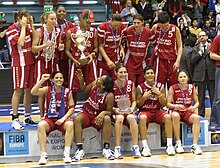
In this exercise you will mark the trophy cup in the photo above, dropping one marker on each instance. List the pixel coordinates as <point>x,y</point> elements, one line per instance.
<point>124,104</point>
<point>80,39</point>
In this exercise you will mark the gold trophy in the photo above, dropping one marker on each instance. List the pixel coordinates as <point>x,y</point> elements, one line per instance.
<point>80,38</point>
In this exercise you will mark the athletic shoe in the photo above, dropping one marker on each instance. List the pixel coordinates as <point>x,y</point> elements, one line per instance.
<point>43,159</point>
<point>118,154</point>
<point>78,155</point>
<point>170,150</point>
<point>108,154</point>
<point>67,159</point>
<point>196,149</point>
<point>16,125</point>
<point>178,148</point>
<point>136,152</point>
<point>29,121</point>
<point>146,151</point>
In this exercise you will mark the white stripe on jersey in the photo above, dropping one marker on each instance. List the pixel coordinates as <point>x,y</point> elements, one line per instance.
<point>22,77</point>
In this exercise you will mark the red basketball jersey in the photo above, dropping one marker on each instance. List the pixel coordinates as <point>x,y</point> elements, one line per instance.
<point>137,45</point>
<point>95,104</point>
<point>21,55</point>
<point>151,104</point>
<point>67,94</point>
<point>166,44</point>
<point>125,90</point>
<point>111,40</point>
<point>184,97</point>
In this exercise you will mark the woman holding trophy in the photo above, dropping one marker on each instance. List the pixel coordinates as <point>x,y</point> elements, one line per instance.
<point>46,44</point>
<point>81,48</point>
<point>125,103</point>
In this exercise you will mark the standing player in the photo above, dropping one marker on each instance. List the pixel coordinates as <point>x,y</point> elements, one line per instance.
<point>110,48</point>
<point>96,112</point>
<point>19,36</point>
<point>46,45</point>
<point>63,25</point>
<point>89,68</point>
<point>150,98</point>
<point>167,50</point>
<point>137,41</point>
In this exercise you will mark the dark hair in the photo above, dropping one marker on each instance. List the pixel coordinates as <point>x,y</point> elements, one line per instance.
<point>60,6</point>
<point>116,17</point>
<point>147,68</point>
<point>177,74</point>
<point>119,66</point>
<point>139,17</point>
<point>54,73</point>
<point>191,40</point>
<point>163,17</point>
<point>22,12</point>
<point>108,83</point>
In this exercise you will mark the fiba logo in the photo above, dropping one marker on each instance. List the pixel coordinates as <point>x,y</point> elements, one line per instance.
<point>215,138</point>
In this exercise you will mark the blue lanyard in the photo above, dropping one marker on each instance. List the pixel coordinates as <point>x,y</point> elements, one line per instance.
<point>185,98</point>
<point>125,83</point>
<point>113,34</point>
<point>159,38</point>
<point>139,37</point>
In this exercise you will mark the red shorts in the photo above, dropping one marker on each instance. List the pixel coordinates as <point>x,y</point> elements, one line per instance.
<point>164,71</point>
<point>136,78</point>
<point>89,72</point>
<point>53,126</point>
<point>184,116</point>
<point>110,72</point>
<point>156,116</point>
<point>40,68</point>
<point>89,121</point>
<point>23,76</point>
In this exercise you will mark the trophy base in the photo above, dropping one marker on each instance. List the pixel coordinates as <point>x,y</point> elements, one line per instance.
<point>84,61</point>
<point>127,111</point>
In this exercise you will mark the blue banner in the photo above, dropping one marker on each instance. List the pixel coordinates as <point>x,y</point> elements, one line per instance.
<point>16,143</point>
<point>188,136</point>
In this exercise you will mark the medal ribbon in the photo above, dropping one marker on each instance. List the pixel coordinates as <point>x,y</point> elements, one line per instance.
<point>185,98</point>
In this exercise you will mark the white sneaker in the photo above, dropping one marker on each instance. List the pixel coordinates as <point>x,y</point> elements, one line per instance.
<point>135,151</point>
<point>146,151</point>
<point>67,158</point>
<point>118,154</point>
<point>78,155</point>
<point>43,159</point>
<point>16,125</point>
<point>196,149</point>
<point>178,148</point>
<point>170,150</point>
<point>108,154</point>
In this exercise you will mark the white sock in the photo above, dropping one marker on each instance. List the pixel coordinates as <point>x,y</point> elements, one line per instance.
<point>66,150</point>
<point>169,141</point>
<point>178,142</point>
<point>144,143</point>
<point>43,153</point>
<point>134,146</point>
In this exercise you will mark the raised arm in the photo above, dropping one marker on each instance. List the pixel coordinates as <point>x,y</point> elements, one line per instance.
<point>37,90</point>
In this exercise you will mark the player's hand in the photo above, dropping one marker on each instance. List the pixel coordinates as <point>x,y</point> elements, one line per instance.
<point>155,90</point>
<point>60,121</point>
<point>45,77</point>
<point>147,94</point>
<point>192,109</point>
<point>111,64</point>
<point>176,66</point>
<point>23,21</point>
<point>100,119</point>
<point>79,74</point>
<point>49,43</point>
